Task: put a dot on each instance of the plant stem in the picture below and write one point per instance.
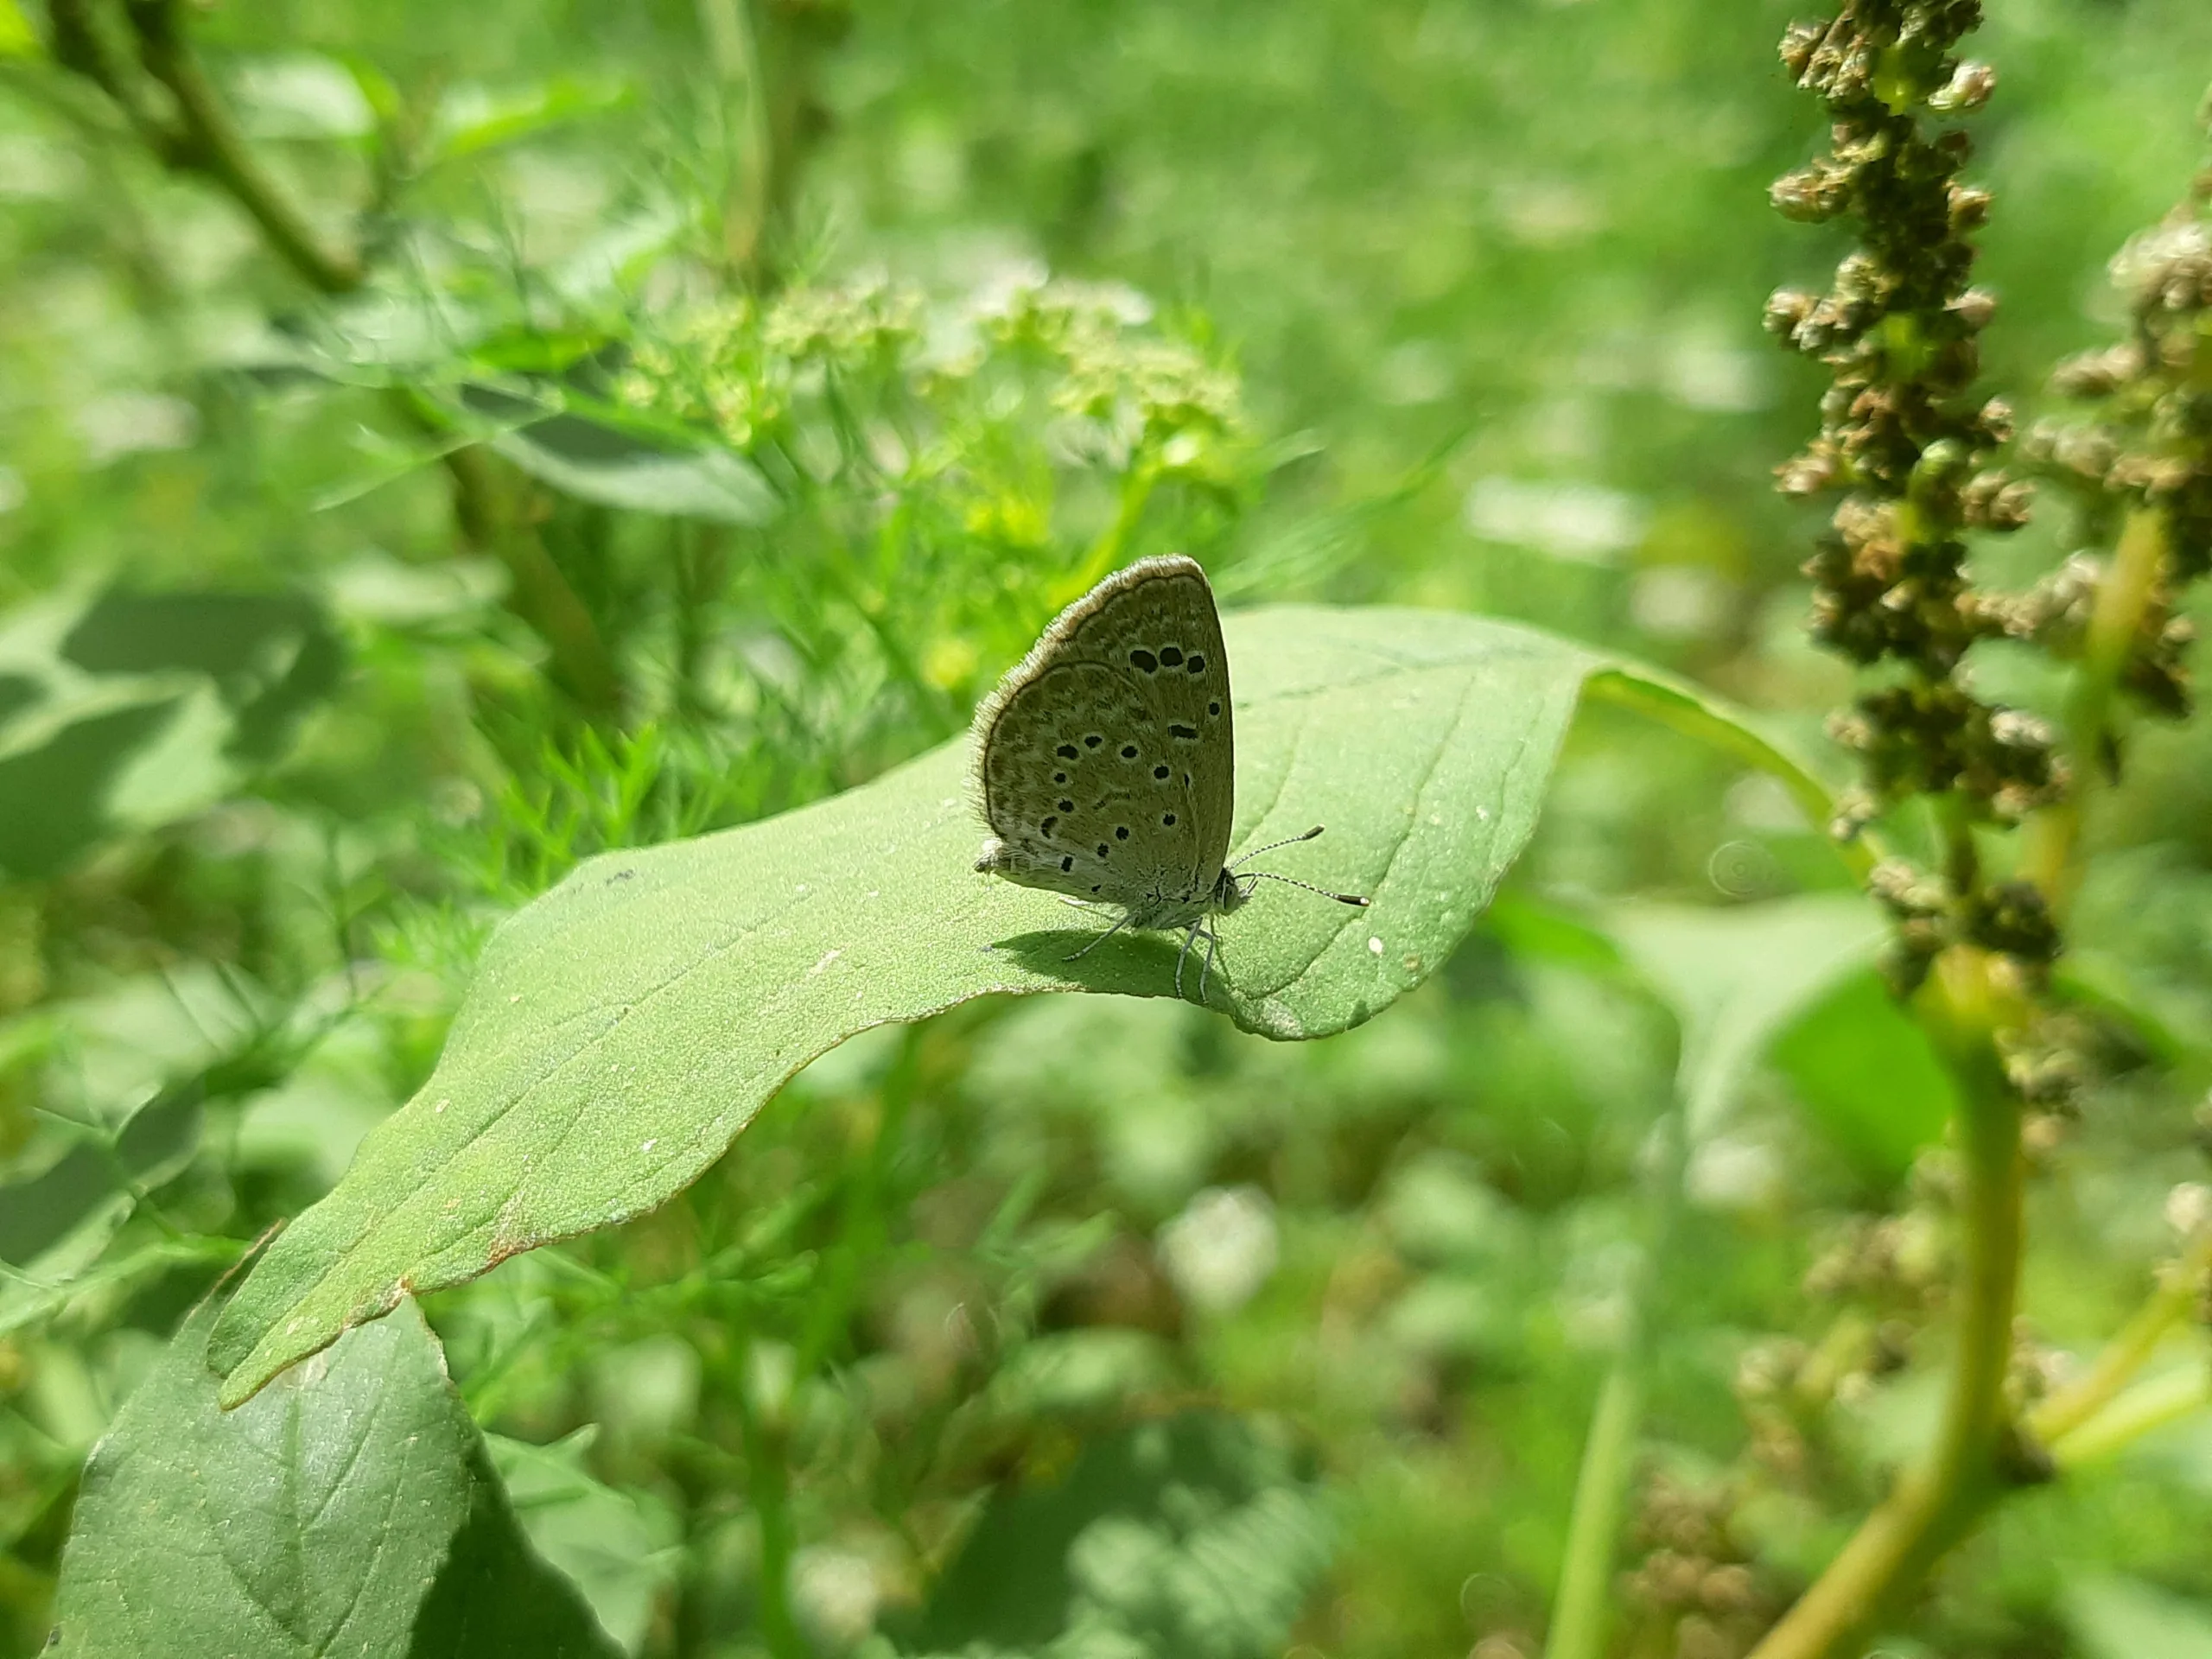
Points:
(1582, 1608)
(768, 1489)
(2179, 1284)
(2124, 598)
(490, 516)
(1932, 1506)
(207, 141)
(1688, 711)
(2154, 1404)
(203, 139)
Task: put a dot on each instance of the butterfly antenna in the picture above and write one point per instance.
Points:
(1341, 898)
(1287, 841)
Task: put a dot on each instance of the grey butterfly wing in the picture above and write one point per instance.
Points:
(1106, 760)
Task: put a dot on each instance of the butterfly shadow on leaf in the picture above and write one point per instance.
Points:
(1128, 965)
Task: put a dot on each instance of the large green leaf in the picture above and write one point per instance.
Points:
(598, 462)
(623, 1029)
(1737, 976)
(134, 710)
(350, 1510)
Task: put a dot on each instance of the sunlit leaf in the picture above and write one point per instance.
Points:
(145, 707)
(602, 464)
(472, 119)
(626, 1027)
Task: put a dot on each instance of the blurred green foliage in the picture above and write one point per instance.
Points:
(692, 411)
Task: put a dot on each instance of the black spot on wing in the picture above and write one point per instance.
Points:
(1188, 733)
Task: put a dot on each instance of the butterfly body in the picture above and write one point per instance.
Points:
(1105, 761)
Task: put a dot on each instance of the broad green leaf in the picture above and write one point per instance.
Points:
(1738, 974)
(615, 1547)
(472, 117)
(1868, 1075)
(626, 1027)
(1193, 1536)
(349, 1510)
(600, 463)
(136, 708)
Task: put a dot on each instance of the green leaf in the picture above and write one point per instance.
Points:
(350, 1510)
(138, 708)
(1737, 976)
(618, 1551)
(1191, 1536)
(626, 1027)
(472, 119)
(1868, 1075)
(597, 462)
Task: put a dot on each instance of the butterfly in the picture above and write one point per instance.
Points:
(1105, 763)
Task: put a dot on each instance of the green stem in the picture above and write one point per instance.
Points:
(767, 1490)
(1582, 1609)
(1692, 712)
(1934, 1505)
(1106, 552)
(208, 142)
(2150, 1405)
(2174, 1300)
(492, 512)
(2124, 598)
(1583, 1605)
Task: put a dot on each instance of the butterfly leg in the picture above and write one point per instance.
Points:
(1100, 940)
(1213, 940)
(1191, 934)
